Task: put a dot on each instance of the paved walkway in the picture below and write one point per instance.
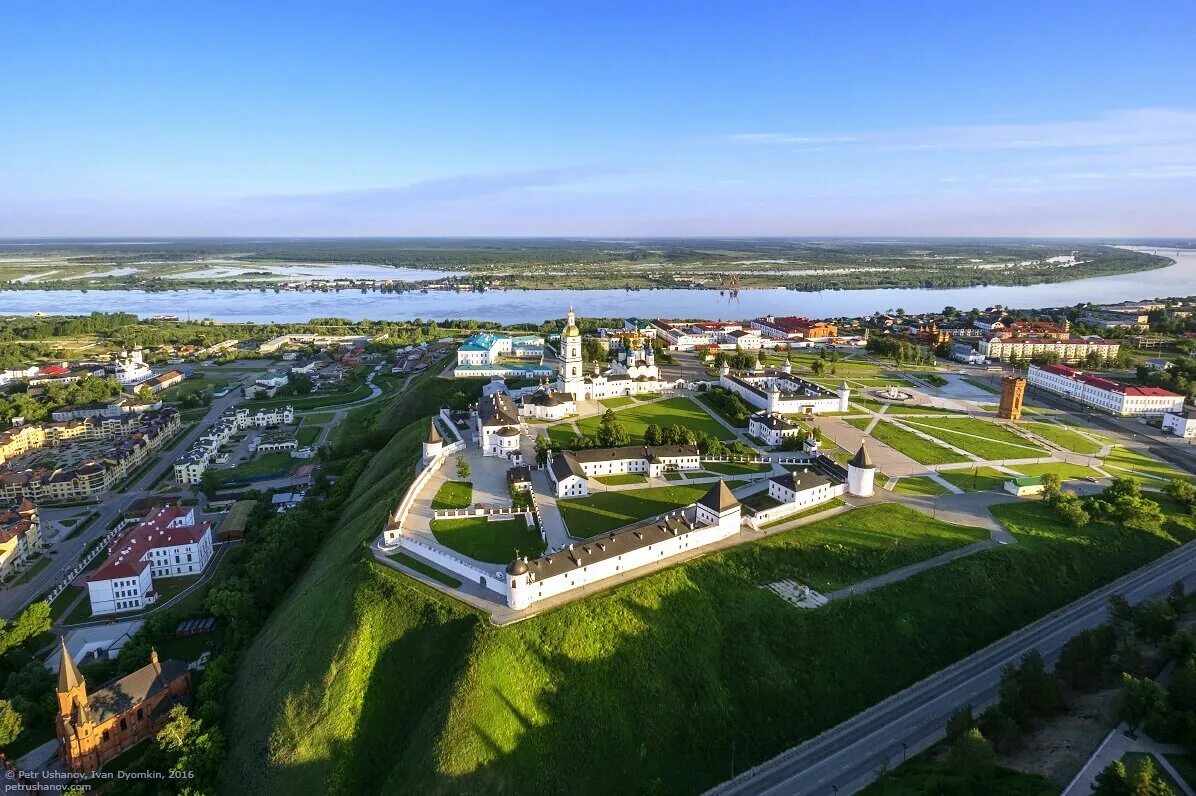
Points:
(1117, 744)
(901, 574)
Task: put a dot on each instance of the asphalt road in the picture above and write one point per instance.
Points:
(67, 552)
(848, 757)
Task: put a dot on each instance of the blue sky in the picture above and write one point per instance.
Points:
(598, 119)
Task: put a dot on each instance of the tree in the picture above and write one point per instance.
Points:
(1142, 699)
(195, 751)
(1051, 484)
(1085, 657)
(652, 434)
(1175, 597)
(301, 383)
(1181, 691)
(1181, 492)
(972, 756)
(611, 432)
(209, 482)
(1113, 780)
(11, 723)
(1145, 781)
(960, 722)
(543, 446)
(463, 468)
(1154, 620)
(33, 620)
(145, 393)
(1181, 645)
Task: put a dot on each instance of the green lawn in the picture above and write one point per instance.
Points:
(648, 396)
(617, 403)
(1185, 765)
(920, 450)
(622, 479)
(674, 477)
(562, 435)
(453, 495)
(318, 418)
(1064, 470)
(920, 485)
(833, 503)
(480, 709)
(978, 479)
(1148, 470)
(192, 386)
(983, 439)
(273, 463)
(37, 566)
(496, 542)
(314, 400)
(426, 569)
(736, 468)
(922, 776)
(605, 511)
(307, 435)
(904, 409)
(674, 411)
(1063, 437)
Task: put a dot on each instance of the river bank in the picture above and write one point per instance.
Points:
(266, 305)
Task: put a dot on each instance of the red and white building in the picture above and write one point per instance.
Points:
(1101, 393)
(169, 543)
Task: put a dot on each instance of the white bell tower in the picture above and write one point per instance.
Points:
(571, 378)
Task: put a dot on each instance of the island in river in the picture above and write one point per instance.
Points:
(393, 265)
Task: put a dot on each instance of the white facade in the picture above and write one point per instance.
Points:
(1101, 393)
(168, 543)
(861, 474)
(130, 368)
(772, 429)
(780, 392)
(1181, 423)
(487, 348)
(713, 518)
(189, 468)
(1070, 350)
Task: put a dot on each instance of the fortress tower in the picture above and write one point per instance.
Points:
(844, 393)
(433, 444)
(861, 474)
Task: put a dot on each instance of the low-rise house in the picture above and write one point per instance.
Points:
(1180, 422)
(20, 536)
(1025, 487)
(772, 429)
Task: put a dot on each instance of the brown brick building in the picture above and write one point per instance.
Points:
(93, 728)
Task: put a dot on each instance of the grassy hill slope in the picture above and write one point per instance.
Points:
(365, 681)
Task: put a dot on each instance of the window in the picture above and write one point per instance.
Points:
(124, 724)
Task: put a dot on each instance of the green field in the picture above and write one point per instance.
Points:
(617, 403)
(920, 450)
(453, 495)
(673, 412)
(1064, 470)
(426, 569)
(904, 409)
(622, 479)
(604, 511)
(833, 503)
(1063, 437)
(275, 462)
(1149, 471)
(192, 386)
(983, 439)
(318, 418)
(978, 479)
(920, 485)
(307, 435)
(498, 542)
(562, 435)
(318, 707)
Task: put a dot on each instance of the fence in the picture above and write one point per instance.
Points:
(83, 562)
(494, 581)
(395, 526)
(496, 514)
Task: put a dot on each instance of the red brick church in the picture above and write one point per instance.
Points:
(95, 727)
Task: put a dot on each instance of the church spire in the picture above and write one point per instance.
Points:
(69, 677)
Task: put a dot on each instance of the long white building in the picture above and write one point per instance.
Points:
(569, 470)
(714, 517)
(780, 392)
(169, 543)
(1101, 393)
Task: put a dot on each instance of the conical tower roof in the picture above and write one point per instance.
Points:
(69, 676)
(433, 434)
(719, 498)
(862, 459)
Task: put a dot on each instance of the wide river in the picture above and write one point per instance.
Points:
(540, 305)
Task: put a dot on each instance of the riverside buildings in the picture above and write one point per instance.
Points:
(189, 468)
(1101, 393)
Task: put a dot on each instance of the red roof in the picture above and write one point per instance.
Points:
(153, 532)
(53, 370)
(1101, 383)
